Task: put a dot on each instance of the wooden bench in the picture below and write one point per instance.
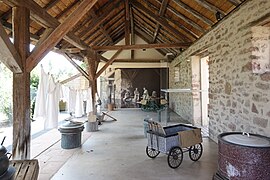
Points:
(25, 169)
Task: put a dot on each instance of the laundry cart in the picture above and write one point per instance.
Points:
(174, 140)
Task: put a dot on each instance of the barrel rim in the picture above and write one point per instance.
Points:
(230, 133)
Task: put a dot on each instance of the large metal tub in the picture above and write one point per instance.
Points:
(243, 156)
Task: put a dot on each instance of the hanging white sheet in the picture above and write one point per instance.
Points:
(79, 104)
(40, 104)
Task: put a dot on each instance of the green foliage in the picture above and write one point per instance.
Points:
(34, 80)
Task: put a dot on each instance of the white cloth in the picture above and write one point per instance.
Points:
(89, 105)
(51, 120)
(79, 104)
(71, 100)
(40, 104)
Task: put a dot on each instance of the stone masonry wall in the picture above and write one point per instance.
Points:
(239, 100)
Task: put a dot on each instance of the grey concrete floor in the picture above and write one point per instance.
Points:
(117, 152)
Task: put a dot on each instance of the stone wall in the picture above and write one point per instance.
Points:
(239, 99)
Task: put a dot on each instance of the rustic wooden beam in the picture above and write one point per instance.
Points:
(101, 27)
(85, 74)
(46, 20)
(210, 7)
(235, 2)
(50, 4)
(40, 51)
(108, 12)
(67, 9)
(193, 12)
(160, 20)
(132, 53)
(9, 55)
(108, 63)
(21, 86)
(147, 38)
(127, 23)
(141, 46)
(71, 78)
(161, 12)
(179, 15)
(6, 15)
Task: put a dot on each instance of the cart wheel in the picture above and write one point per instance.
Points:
(151, 152)
(175, 157)
(195, 152)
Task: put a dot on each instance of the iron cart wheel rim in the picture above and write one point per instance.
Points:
(175, 157)
(151, 152)
(195, 152)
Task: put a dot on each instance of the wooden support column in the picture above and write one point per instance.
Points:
(91, 59)
(21, 86)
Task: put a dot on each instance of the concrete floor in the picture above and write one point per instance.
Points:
(117, 151)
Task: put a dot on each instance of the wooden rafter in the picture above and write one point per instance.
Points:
(141, 46)
(193, 12)
(96, 22)
(46, 20)
(40, 51)
(235, 2)
(127, 23)
(132, 54)
(9, 55)
(210, 7)
(160, 20)
(66, 10)
(50, 4)
(161, 12)
(108, 63)
(101, 27)
(71, 78)
(83, 72)
(179, 15)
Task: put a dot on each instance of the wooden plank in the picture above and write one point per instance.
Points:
(71, 78)
(235, 2)
(193, 12)
(46, 20)
(210, 7)
(108, 63)
(50, 4)
(85, 74)
(127, 23)
(141, 46)
(21, 86)
(132, 53)
(40, 51)
(25, 169)
(161, 12)
(9, 55)
(160, 20)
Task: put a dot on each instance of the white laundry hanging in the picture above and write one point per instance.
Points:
(41, 98)
(89, 106)
(79, 104)
(51, 120)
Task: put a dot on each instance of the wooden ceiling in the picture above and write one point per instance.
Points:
(170, 26)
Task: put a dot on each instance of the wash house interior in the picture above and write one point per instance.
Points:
(135, 89)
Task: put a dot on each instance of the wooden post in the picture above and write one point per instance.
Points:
(91, 59)
(21, 86)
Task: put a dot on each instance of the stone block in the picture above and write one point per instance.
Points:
(261, 122)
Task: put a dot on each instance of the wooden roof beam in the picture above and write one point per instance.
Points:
(160, 20)
(141, 46)
(132, 53)
(50, 4)
(101, 27)
(40, 51)
(9, 55)
(147, 38)
(46, 20)
(235, 2)
(179, 15)
(161, 12)
(127, 23)
(85, 74)
(193, 12)
(210, 7)
(108, 63)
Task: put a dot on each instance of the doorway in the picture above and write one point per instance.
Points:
(204, 87)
